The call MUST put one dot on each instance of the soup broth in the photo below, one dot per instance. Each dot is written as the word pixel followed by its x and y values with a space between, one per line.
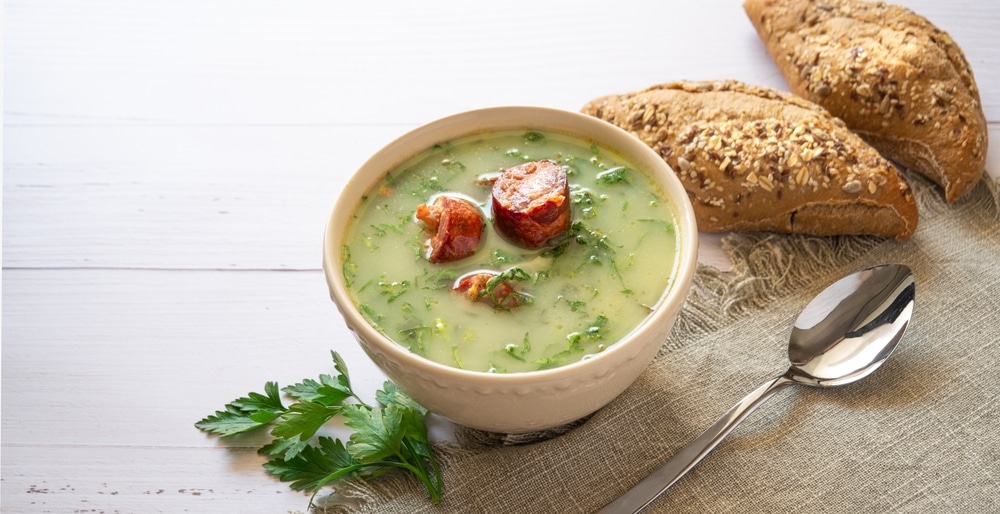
pixel 581 292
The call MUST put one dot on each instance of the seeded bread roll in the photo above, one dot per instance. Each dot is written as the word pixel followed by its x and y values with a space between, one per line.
pixel 752 158
pixel 893 77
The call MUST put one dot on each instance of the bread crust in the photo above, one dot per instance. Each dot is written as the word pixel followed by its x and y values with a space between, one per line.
pixel 753 158
pixel 897 80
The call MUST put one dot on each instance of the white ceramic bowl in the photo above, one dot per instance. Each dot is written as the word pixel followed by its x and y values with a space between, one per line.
pixel 529 401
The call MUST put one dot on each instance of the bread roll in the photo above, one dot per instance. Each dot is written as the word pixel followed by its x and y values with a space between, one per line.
pixel 752 158
pixel 892 76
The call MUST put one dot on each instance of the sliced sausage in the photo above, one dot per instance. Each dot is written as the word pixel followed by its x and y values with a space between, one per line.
pixel 473 285
pixel 531 203
pixel 457 227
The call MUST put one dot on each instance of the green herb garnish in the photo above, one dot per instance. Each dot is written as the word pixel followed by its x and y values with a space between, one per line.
pixel 490 289
pixel 499 257
pixel 599 247
pixel 349 268
pixel 514 352
pixel 428 186
pixel 393 290
pixel 440 279
pixel 617 175
pixel 533 137
pixel 390 435
pixel 586 202
pixel 415 337
pixel 370 314
pixel 574 305
pixel 453 166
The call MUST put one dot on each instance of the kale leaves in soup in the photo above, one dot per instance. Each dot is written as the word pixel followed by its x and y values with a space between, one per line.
pixel 500 306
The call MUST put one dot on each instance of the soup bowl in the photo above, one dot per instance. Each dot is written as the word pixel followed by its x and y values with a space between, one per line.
pixel 523 401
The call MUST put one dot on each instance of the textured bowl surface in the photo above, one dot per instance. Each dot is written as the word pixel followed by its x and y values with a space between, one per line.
pixel 515 402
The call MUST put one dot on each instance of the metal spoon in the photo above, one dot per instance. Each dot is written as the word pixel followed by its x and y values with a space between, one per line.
pixel 842 335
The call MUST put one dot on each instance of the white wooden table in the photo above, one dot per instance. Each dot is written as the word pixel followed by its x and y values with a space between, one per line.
pixel 167 172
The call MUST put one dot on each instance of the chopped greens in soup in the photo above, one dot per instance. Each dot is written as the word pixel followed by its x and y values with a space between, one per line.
pixel 497 304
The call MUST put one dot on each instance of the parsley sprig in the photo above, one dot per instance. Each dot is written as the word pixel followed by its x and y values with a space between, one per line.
pixel 391 435
pixel 498 280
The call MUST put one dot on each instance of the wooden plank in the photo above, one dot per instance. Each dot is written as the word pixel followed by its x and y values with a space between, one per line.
pixel 92 478
pixel 176 197
pixel 358 62
pixel 114 358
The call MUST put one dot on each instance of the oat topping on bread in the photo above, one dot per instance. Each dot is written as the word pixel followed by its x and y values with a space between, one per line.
pixel 753 158
pixel 897 80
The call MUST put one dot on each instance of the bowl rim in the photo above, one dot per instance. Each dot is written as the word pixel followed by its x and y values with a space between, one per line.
pixel 513 117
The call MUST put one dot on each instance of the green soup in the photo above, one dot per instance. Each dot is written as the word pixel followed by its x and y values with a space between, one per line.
pixel 584 291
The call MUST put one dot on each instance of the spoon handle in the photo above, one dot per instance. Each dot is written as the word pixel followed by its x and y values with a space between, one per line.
pixel 640 496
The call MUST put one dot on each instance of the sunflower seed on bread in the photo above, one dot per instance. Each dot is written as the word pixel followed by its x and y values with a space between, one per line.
pixel 898 81
pixel 753 158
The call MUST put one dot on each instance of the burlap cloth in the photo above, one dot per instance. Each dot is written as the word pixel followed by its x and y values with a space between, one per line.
pixel 919 435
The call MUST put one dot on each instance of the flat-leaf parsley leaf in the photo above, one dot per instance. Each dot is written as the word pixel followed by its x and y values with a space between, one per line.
pixel 390 435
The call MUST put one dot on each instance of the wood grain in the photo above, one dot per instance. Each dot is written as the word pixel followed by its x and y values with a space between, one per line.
pixel 167 173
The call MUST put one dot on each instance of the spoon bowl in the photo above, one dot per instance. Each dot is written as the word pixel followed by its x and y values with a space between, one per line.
pixel 843 335
pixel 851 328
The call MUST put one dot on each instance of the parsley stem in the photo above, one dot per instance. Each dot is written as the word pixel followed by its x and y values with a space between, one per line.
pixel 434 491
pixel 421 461
pixel 412 459
pixel 333 476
